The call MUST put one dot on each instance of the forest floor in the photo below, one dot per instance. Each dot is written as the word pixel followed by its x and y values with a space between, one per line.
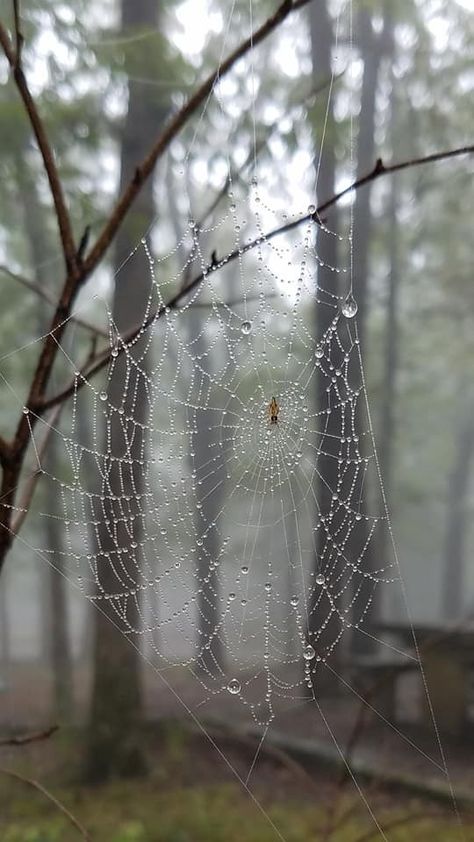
pixel 189 797
pixel 194 792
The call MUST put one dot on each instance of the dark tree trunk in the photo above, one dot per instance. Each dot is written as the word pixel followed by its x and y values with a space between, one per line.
pixel 210 471
pixel 387 415
pixel 323 634
pixel 365 591
pixel 208 461
pixel 114 747
pixel 454 584
pixel 54 605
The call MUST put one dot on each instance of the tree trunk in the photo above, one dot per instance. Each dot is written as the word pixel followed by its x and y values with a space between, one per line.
pixel 454 584
pixel 365 591
pixel 324 625
pixel 114 747
pixel 54 603
pixel 209 465
pixel 387 415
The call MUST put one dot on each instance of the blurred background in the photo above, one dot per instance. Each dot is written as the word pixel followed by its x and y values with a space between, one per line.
pixel 165 500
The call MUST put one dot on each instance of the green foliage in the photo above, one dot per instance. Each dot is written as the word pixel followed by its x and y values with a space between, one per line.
pixel 219 813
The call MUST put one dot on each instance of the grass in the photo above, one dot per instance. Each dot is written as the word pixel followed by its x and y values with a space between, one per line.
pixel 189 797
pixel 139 812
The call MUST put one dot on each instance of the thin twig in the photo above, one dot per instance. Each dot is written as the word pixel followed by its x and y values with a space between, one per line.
pixel 25 739
pixel 175 125
pixel 18 33
pixel 60 806
pixel 390 825
pixel 47 296
pixel 94 366
pixel 47 154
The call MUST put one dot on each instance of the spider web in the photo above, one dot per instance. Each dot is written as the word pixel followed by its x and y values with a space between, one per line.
pixel 213 377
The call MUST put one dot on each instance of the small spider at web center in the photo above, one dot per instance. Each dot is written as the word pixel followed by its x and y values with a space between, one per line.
pixel 273 410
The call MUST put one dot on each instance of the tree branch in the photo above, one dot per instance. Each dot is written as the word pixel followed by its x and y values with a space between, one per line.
pixel 62 214
pixel 18 33
pixel 379 169
pixel 25 739
pixel 174 126
pixel 36 785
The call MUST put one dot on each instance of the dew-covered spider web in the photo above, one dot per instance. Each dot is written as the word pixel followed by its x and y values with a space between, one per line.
pixel 235 544
pixel 225 508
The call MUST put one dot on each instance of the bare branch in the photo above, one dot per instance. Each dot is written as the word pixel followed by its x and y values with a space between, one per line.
pixel 62 214
pixel 47 296
pixel 60 806
pixel 175 125
pixel 25 739
pixel 398 821
pixel 97 364
pixel 18 33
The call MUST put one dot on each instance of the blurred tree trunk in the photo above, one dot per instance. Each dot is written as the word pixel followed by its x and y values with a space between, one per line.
pixel 371 45
pixel 324 624
pixel 114 747
pixel 387 416
pixel 208 461
pixel 54 604
pixel 209 464
pixel 454 583
pixel 5 643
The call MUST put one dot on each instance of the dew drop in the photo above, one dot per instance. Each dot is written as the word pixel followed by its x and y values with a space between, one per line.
pixel 349 307
pixel 244 569
pixel 319 352
pixel 103 396
pixel 308 652
pixel 234 687
pixel 320 579
pixel 245 328
pixel 294 601
pixel 311 208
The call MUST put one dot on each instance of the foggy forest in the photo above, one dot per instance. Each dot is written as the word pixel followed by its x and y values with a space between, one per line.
pixel 236 421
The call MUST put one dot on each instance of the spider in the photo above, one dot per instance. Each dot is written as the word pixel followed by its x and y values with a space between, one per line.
pixel 273 410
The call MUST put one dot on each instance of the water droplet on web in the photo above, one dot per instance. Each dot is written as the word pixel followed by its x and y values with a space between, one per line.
pixel 244 569
pixel 245 328
pixel 234 686
pixel 320 579
pixel 103 396
pixel 308 652
pixel 294 601
pixel 349 307
pixel 114 351
pixel 268 587
pixel 319 352
pixel 311 208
